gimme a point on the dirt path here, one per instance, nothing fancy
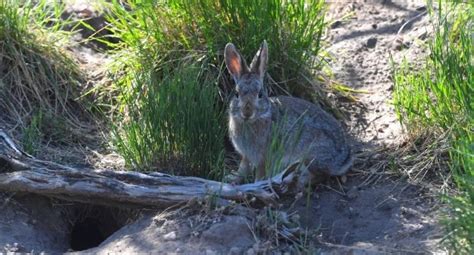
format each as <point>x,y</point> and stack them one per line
<point>371,213</point>
<point>391,214</point>
<point>363,44</point>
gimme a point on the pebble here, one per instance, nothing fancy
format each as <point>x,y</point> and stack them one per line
<point>170,236</point>
<point>336,24</point>
<point>353,193</point>
<point>422,35</point>
<point>235,251</point>
<point>371,42</point>
<point>398,44</point>
<point>388,204</point>
<point>421,8</point>
<point>211,252</point>
<point>251,251</point>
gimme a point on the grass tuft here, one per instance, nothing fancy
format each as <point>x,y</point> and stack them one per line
<point>174,123</point>
<point>439,100</point>
<point>292,28</point>
<point>35,73</point>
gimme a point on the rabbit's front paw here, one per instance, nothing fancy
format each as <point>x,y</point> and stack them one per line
<point>234,178</point>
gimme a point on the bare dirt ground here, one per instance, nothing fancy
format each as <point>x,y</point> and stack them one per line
<point>374,212</point>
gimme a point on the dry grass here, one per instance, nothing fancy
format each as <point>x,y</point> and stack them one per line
<point>422,160</point>
<point>40,82</point>
<point>36,73</point>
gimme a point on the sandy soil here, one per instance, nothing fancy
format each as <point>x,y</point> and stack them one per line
<point>371,213</point>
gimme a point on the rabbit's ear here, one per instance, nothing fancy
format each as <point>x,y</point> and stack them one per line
<point>234,62</point>
<point>259,62</point>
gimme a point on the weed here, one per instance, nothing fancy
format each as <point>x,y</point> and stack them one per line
<point>281,229</point>
<point>43,127</point>
<point>32,135</point>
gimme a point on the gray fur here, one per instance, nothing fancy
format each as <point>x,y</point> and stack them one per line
<point>320,143</point>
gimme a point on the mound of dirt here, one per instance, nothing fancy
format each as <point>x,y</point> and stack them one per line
<point>160,234</point>
<point>31,224</point>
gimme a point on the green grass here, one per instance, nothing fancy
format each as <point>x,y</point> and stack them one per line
<point>439,99</point>
<point>283,142</point>
<point>32,134</point>
<point>169,30</point>
<point>36,73</point>
<point>174,123</point>
<point>292,28</point>
<point>160,39</point>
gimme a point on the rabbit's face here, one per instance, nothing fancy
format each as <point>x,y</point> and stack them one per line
<point>250,100</point>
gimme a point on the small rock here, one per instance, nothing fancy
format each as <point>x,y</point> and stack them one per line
<point>336,24</point>
<point>15,248</point>
<point>388,204</point>
<point>398,44</point>
<point>422,35</point>
<point>232,231</point>
<point>170,236</point>
<point>375,12</point>
<point>210,252</point>
<point>353,193</point>
<point>250,251</point>
<point>344,179</point>
<point>235,251</point>
<point>408,213</point>
<point>421,8</point>
<point>371,42</point>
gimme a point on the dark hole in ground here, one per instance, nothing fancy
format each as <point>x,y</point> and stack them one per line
<point>86,234</point>
<point>94,224</point>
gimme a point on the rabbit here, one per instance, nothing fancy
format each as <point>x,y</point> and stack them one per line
<point>318,142</point>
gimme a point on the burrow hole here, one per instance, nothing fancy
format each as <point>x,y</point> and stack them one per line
<point>91,225</point>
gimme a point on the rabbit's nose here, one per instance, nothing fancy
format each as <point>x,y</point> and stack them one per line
<point>247,111</point>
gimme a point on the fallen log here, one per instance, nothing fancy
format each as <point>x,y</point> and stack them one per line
<point>20,172</point>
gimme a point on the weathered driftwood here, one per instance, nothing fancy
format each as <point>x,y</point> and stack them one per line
<point>20,172</point>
